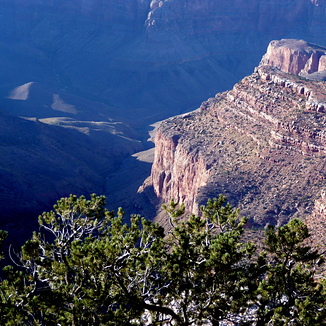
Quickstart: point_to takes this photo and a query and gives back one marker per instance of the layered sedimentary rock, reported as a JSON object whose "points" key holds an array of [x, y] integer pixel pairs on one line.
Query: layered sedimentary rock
{"points": [[262, 144], [177, 174], [296, 57]]}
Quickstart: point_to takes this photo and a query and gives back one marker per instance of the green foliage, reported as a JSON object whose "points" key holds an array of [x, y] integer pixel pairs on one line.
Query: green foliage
{"points": [[92, 270], [207, 265], [289, 293], [3, 236], [87, 267]]}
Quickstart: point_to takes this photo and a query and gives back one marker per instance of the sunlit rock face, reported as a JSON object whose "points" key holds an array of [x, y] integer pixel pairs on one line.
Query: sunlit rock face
{"points": [[262, 144], [296, 57]]}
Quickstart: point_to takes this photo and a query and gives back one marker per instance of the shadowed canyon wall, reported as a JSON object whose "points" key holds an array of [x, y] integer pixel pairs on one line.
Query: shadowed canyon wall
{"points": [[149, 59]]}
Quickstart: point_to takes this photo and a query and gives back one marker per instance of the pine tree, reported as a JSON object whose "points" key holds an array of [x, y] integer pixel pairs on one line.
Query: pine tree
{"points": [[289, 293], [86, 266], [209, 268]]}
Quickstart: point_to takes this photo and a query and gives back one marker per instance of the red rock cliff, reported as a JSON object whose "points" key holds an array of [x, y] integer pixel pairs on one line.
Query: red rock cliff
{"points": [[295, 57], [262, 144], [179, 171]]}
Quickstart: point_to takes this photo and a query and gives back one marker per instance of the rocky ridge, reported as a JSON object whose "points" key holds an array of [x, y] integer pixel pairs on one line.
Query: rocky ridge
{"points": [[262, 144]]}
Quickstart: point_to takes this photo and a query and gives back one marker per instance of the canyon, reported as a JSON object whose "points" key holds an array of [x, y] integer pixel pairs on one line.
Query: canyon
{"points": [[261, 144], [82, 82], [147, 59]]}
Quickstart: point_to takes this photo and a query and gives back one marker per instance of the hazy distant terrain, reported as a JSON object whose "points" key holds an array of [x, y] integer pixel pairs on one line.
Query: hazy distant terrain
{"points": [[95, 74]]}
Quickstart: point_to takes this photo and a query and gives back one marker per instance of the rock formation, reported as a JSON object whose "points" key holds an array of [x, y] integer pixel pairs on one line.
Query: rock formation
{"points": [[262, 144], [296, 57], [317, 222], [87, 65]]}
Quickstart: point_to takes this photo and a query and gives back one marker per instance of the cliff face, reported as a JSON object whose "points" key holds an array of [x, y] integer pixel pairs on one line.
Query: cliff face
{"points": [[128, 13], [317, 222], [224, 15], [178, 172], [195, 16], [295, 57], [262, 144]]}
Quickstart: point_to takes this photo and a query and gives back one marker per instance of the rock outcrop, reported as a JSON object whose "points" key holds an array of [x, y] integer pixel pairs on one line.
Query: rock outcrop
{"points": [[262, 144], [296, 57], [179, 171], [317, 222]]}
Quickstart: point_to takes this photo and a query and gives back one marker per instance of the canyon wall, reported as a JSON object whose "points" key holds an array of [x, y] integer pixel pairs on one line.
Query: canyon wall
{"points": [[316, 222], [150, 59], [113, 67], [178, 170], [262, 144]]}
